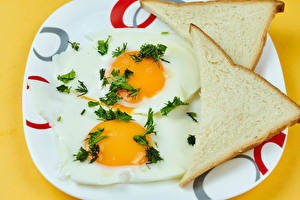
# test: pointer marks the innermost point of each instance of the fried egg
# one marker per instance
(158, 82)
(122, 160)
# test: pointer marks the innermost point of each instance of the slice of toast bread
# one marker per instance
(239, 109)
(238, 26)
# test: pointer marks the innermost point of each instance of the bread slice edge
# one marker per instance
(256, 142)
(278, 6)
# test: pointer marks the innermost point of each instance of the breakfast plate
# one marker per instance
(73, 22)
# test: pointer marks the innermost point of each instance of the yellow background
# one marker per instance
(19, 178)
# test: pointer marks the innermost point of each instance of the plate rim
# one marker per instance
(71, 193)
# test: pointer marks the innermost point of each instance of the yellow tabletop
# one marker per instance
(20, 179)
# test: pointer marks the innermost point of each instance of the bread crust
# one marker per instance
(258, 141)
(278, 6)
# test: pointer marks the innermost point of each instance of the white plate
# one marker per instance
(75, 19)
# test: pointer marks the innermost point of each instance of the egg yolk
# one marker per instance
(148, 75)
(119, 148)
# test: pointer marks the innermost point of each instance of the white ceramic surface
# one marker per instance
(73, 21)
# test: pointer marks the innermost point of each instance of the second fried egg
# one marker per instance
(121, 159)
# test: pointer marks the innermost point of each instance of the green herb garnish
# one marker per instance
(128, 73)
(93, 148)
(103, 46)
(66, 78)
(155, 52)
(141, 139)
(111, 115)
(134, 93)
(171, 105)
(165, 60)
(110, 98)
(136, 58)
(115, 72)
(94, 152)
(117, 82)
(93, 103)
(150, 122)
(95, 137)
(105, 82)
(74, 45)
(164, 33)
(59, 119)
(81, 89)
(82, 155)
(102, 73)
(64, 89)
(82, 112)
(192, 115)
(191, 140)
(153, 155)
(119, 51)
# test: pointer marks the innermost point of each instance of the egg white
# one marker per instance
(182, 74)
(172, 131)
(70, 132)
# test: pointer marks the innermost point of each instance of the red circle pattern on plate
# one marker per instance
(37, 126)
(38, 78)
(31, 124)
(118, 11)
(277, 139)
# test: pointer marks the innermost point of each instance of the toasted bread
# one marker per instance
(239, 109)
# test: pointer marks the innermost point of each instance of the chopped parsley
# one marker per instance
(115, 72)
(128, 73)
(135, 92)
(105, 82)
(119, 51)
(155, 52)
(82, 155)
(192, 115)
(164, 33)
(150, 123)
(191, 140)
(66, 78)
(141, 139)
(110, 99)
(94, 152)
(136, 58)
(59, 119)
(93, 103)
(93, 147)
(151, 153)
(95, 137)
(111, 115)
(82, 112)
(172, 105)
(103, 46)
(64, 89)
(102, 73)
(74, 45)
(165, 60)
(81, 89)
(117, 82)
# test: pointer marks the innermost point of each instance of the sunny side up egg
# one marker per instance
(122, 156)
(158, 82)
(121, 159)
